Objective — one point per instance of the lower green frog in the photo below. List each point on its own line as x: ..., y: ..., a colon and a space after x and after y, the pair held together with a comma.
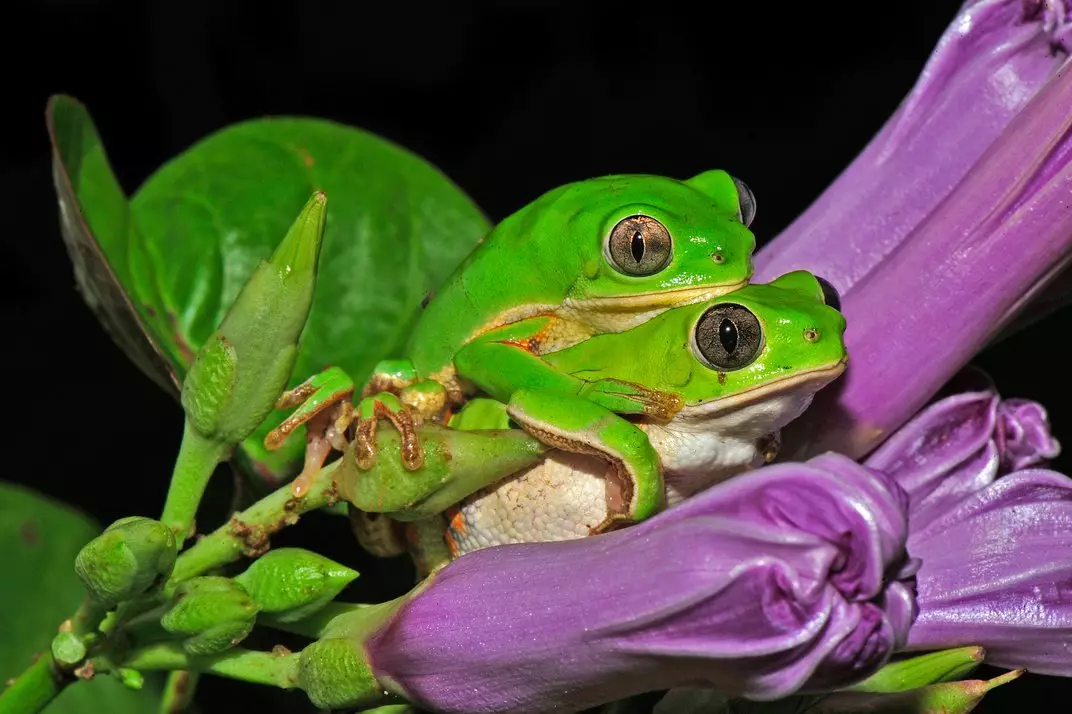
x: 737, y: 368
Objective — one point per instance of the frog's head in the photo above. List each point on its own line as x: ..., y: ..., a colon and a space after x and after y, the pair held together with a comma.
x: 763, y: 352
x: 642, y: 242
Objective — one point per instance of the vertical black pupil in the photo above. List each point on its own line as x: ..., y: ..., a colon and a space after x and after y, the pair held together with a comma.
x: 637, y: 246
x: 727, y: 335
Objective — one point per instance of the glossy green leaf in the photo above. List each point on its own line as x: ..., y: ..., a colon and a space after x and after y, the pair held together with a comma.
x: 192, y: 234
x: 39, y: 540
x: 104, y: 243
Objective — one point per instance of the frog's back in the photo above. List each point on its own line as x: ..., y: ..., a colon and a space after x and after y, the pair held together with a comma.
x: 516, y: 270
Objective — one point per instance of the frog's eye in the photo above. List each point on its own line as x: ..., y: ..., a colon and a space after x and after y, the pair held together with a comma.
x: 639, y: 245
x: 746, y: 202
x: 830, y: 293
x: 728, y: 337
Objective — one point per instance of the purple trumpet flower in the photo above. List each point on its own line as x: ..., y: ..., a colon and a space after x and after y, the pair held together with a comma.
x: 994, y: 534
x: 792, y: 579
x: 958, y: 207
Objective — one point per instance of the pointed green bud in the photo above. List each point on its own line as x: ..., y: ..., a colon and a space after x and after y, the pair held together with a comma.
x: 244, y: 366
x: 292, y: 583
x: 131, y: 678
x: 945, y: 698
x: 930, y: 668
x: 124, y: 561
x: 213, y: 613
x: 67, y: 649
x: 335, y: 674
x: 457, y: 464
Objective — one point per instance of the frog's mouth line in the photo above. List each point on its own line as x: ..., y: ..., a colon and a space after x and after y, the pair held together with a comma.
x: 654, y: 299
x: 756, y: 394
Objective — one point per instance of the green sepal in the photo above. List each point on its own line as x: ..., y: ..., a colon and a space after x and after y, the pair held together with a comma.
x: 930, y: 668
x: 335, y: 674
x: 292, y: 583
x: 944, y: 698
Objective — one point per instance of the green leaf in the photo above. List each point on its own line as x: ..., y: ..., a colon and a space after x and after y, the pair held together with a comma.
x: 39, y: 540
x: 396, y: 228
x: 103, y: 242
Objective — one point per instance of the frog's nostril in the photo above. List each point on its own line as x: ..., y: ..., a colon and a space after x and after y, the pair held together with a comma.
x: 718, y: 258
x: 811, y: 334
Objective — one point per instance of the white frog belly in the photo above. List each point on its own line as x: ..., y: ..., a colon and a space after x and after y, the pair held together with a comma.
x: 560, y: 498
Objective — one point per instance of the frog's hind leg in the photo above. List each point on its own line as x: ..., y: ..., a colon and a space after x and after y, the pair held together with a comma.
x: 580, y: 426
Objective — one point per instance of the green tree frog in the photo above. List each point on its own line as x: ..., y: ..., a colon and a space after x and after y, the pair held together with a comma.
x: 742, y: 366
x: 593, y: 257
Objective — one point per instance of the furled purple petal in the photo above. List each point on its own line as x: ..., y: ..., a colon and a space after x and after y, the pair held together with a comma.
x: 793, y: 578
x: 959, y: 445
x: 1023, y: 435
x: 997, y: 572
x: 994, y: 56
x: 944, y: 454
x: 916, y: 319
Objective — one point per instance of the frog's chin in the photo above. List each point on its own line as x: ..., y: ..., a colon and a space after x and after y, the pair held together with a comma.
x: 762, y: 409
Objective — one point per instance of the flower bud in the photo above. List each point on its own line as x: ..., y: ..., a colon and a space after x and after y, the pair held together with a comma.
x: 292, y: 583
x: 126, y: 560
x: 212, y: 612
x: 244, y: 366
x: 946, y: 698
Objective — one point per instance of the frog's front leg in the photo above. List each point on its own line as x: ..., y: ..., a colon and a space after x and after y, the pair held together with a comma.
x: 323, y: 402
x: 508, y: 359
x: 575, y: 424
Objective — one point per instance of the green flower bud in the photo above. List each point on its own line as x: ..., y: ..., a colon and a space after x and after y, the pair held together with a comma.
x: 213, y: 614
x: 67, y: 649
x: 131, y: 678
x: 930, y: 668
x: 944, y: 698
x: 292, y: 583
x: 244, y: 366
x: 335, y: 674
x: 124, y: 561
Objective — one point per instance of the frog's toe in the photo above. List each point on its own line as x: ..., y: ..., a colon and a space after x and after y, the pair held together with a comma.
x: 404, y: 419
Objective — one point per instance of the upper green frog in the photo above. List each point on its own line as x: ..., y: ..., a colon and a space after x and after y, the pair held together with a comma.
x: 588, y: 258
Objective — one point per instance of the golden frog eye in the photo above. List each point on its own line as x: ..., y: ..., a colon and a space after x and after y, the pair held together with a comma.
x: 728, y: 337
x: 639, y: 245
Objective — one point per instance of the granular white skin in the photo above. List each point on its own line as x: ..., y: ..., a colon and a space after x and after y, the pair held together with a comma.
x: 560, y: 498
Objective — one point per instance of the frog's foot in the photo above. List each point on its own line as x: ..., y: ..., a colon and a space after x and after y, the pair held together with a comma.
x: 405, y: 419
x: 613, y: 522
x: 624, y: 397
x: 326, y: 431
x: 315, y: 395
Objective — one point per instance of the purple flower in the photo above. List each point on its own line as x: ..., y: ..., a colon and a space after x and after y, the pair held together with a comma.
x: 992, y: 59
x: 995, y: 540
x: 792, y: 579
x: 959, y: 207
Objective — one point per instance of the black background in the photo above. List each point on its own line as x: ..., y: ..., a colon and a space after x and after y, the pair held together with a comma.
x: 509, y: 99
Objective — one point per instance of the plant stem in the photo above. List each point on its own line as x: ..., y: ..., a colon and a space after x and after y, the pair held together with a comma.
x: 198, y: 458
x: 32, y: 691
x: 274, y: 670
x: 178, y: 692
x: 87, y: 618
x: 316, y: 624
x: 247, y: 532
